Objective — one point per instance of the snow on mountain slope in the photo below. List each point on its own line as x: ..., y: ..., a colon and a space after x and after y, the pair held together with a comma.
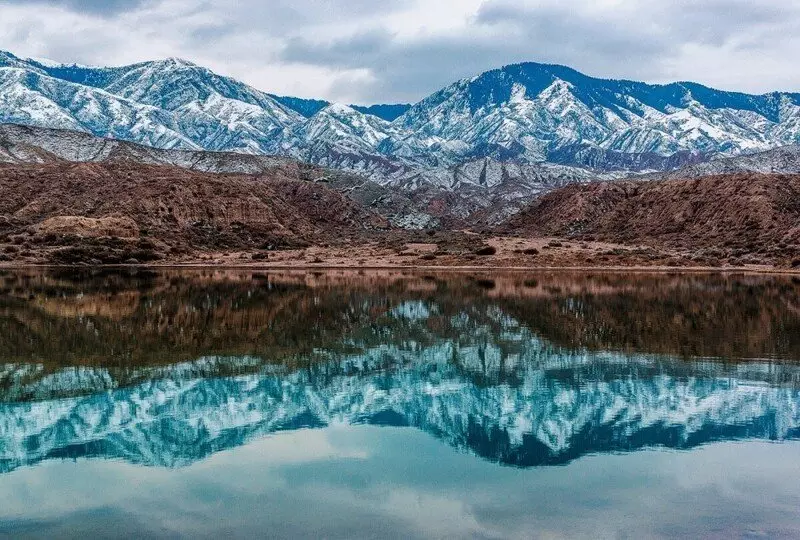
x: 342, y: 128
x: 545, y: 108
x: 530, y: 110
x: 168, y: 84
x: 31, y: 98
x: 216, y: 112
x: 223, y: 124
x: 204, y: 110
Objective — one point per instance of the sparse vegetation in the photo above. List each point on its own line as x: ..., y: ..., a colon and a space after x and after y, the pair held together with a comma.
x: 485, y: 251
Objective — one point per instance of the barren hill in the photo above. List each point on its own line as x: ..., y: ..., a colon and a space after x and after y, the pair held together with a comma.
x: 733, y: 215
x: 117, y: 211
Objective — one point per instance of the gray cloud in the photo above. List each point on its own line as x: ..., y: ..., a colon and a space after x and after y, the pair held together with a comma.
x: 101, y: 8
x: 359, y: 50
x: 655, y: 27
x: 637, y: 40
x: 281, y: 18
x: 404, y: 70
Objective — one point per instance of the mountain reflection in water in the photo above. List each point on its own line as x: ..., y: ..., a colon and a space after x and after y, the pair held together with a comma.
x: 168, y: 368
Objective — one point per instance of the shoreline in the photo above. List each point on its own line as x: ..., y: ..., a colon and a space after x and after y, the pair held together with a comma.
x: 427, y: 268
x: 453, y: 251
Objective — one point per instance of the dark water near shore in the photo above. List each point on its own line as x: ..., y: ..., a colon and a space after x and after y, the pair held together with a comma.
x: 389, y: 404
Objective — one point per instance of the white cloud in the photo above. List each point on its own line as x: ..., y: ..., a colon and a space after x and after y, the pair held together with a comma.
x: 400, y: 50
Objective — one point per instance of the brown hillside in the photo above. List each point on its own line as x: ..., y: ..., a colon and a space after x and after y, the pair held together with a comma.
x: 166, y: 209
x: 731, y: 215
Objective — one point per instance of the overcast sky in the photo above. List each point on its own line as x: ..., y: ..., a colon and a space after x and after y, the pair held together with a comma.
x: 370, y: 51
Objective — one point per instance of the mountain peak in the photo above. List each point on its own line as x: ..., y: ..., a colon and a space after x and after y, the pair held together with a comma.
x: 8, y: 59
x: 338, y: 109
x: 46, y: 62
x: 174, y: 62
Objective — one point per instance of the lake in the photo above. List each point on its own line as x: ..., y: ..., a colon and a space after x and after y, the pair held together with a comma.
x: 341, y: 404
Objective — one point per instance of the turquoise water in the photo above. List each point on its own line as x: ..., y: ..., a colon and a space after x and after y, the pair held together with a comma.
x: 208, y: 403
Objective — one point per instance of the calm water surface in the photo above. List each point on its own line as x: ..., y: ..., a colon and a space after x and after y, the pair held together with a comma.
x: 344, y: 404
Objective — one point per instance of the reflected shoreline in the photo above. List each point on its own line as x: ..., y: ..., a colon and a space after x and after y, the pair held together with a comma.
x: 167, y: 368
x: 737, y: 316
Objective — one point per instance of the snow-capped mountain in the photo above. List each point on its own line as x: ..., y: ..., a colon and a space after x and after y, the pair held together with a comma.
x: 523, y: 115
x: 540, y: 109
x: 29, y: 97
x: 342, y: 129
x: 202, y: 110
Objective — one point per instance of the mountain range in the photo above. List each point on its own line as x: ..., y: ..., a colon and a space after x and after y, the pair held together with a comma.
x: 525, y: 114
